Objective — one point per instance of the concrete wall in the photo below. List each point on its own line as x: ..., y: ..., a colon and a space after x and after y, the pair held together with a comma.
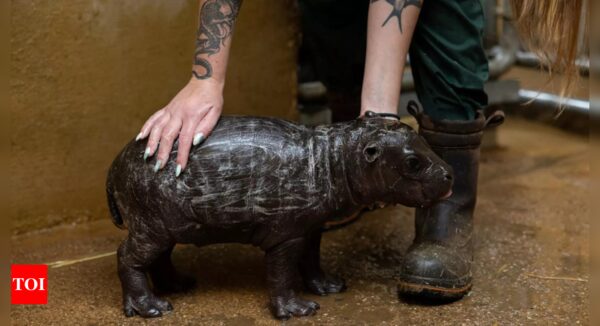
x: 85, y: 74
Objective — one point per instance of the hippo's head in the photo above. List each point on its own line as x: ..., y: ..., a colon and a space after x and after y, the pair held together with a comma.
x: 392, y: 164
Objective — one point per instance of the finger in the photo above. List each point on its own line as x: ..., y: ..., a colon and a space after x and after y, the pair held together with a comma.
x: 169, y: 134
x: 155, y: 135
x: 206, y: 126
x: 185, y: 144
x: 148, y: 125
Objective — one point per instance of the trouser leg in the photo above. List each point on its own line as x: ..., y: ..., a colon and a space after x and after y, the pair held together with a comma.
x: 450, y: 68
x: 448, y: 60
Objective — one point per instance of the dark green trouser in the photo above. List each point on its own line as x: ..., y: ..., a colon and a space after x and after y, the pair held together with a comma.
x: 447, y: 56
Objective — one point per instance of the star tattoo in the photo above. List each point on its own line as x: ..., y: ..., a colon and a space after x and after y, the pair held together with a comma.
x: 399, y: 6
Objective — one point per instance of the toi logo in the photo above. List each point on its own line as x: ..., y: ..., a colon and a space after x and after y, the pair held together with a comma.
x: 29, y: 284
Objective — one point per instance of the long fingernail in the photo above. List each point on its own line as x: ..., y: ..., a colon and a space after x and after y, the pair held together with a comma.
x: 138, y: 137
x: 157, y: 165
x: 178, y: 170
x: 198, y: 138
x: 146, y: 153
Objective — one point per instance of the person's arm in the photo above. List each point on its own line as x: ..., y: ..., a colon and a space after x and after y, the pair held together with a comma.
x: 390, y: 29
x: 194, y: 111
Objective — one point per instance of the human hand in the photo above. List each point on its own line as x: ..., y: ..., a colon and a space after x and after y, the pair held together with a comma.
x: 191, y: 115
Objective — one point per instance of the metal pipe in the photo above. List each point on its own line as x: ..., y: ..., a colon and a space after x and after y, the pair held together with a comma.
x: 554, y: 101
x: 529, y: 59
x: 503, y: 57
x: 312, y: 91
x: 408, y: 82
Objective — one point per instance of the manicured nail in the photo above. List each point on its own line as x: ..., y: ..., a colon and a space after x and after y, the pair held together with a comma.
x: 139, y: 136
x: 198, y: 138
x: 157, y: 165
x: 146, y: 153
x: 178, y: 170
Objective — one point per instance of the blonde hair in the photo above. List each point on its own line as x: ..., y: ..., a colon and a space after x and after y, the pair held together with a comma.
x: 551, y: 29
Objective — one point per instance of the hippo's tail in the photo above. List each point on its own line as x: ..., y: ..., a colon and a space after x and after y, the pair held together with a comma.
x: 113, y: 208
x: 112, y: 203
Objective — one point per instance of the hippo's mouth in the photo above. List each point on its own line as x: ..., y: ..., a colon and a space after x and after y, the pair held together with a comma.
x: 447, y: 195
x: 433, y: 199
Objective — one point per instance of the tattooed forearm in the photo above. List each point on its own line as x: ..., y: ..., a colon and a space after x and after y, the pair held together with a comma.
x: 398, y: 8
x: 216, y: 25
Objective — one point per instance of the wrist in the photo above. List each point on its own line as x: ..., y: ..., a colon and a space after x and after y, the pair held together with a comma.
x: 379, y: 100
x: 210, y: 82
x: 393, y: 109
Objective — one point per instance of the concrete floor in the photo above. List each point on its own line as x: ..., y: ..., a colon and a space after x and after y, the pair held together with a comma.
x: 532, y: 240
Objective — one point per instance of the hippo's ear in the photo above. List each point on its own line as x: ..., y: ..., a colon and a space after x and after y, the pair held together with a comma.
x: 371, y: 152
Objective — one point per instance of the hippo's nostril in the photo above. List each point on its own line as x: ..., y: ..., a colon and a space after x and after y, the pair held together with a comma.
x: 448, y: 176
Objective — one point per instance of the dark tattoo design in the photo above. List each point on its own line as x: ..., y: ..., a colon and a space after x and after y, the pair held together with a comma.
x: 216, y: 25
x: 399, y: 6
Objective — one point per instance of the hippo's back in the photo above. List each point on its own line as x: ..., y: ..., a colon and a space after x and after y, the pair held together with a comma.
x: 247, y: 171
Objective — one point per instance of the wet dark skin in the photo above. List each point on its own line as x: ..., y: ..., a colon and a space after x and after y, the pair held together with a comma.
x: 266, y: 182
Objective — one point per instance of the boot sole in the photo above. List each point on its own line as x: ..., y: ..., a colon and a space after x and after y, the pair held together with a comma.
x: 415, y: 289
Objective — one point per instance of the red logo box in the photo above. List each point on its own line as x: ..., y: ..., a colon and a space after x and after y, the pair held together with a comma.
x: 29, y: 284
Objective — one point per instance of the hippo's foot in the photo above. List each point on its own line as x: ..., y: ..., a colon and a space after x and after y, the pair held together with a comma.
x: 174, y: 283
x: 284, y: 308
x: 323, y: 284
x: 146, y: 306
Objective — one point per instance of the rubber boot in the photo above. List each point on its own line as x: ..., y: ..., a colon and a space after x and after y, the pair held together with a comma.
x: 438, y: 264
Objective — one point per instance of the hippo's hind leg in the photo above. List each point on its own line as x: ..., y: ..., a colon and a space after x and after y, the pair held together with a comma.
x: 135, y: 255
x: 282, y: 269
x: 315, y: 280
x: 165, y: 277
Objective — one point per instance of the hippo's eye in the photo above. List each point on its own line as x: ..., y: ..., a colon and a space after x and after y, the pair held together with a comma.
x: 413, y: 164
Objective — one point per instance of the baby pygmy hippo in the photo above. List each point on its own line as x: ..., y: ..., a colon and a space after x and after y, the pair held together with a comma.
x: 266, y: 182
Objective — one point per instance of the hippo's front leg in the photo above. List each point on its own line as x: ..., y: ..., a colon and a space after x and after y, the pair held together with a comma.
x: 282, y: 268
x: 315, y: 280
